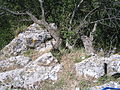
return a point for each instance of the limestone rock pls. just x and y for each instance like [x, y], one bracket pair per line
[77, 88]
[93, 67]
[90, 67]
[47, 46]
[114, 65]
[20, 72]
[32, 74]
[34, 37]
[14, 63]
[46, 59]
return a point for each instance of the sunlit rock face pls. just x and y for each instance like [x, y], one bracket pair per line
[33, 37]
[43, 68]
[14, 62]
[18, 71]
[94, 67]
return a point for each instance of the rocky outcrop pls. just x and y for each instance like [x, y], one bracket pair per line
[95, 66]
[33, 37]
[43, 68]
[20, 72]
[14, 63]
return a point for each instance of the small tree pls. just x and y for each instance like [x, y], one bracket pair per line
[76, 19]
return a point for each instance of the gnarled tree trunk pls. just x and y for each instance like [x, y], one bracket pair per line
[88, 42]
[52, 30]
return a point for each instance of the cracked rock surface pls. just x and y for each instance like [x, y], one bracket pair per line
[33, 37]
[93, 67]
[20, 72]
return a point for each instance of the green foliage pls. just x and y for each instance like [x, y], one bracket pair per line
[20, 29]
[60, 83]
[84, 84]
[60, 12]
[105, 79]
[29, 52]
[57, 55]
[67, 34]
[81, 58]
[5, 37]
[78, 60]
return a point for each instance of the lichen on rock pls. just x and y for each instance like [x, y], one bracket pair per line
[93, 67]
[18, 71]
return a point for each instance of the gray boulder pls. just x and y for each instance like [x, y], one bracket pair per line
[20, 72]
[43, 68]
[34, 37]
[94, 67]
[14, 63]
[46, 59]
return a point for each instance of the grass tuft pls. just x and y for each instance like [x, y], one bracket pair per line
[20, 30]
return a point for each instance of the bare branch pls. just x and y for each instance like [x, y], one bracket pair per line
[105, 24]
[12, 12]
[24, 20]
[70, 22]
[53, 31]
[81, 25]
[91, 33]
[84, 22]
[74, 11]
[40, 22]
[43, 13]
[32, 17]
[1, 13]
[106, 19]
[90, 13]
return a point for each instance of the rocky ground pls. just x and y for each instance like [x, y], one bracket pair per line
[27, 60]
[27, 63]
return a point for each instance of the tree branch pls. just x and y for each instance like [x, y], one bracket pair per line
[40, 22]
[12, 12]
[90, 13]
[34, 19]
[91, 33]
[105, 19]
[1, 13]
[74, 11]
[53, 31]
[41, 6]
[70, 22]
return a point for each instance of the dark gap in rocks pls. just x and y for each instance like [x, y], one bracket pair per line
[116, 75]
[105, 68]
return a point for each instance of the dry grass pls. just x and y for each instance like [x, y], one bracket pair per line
[67, 76]
[67, 79]
[68, 72]
[34, 54]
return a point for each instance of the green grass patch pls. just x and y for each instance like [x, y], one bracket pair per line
[57, 85]
[57, 55]
[105, 79]
[20, 29]
[84, 84]
[30, 53]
